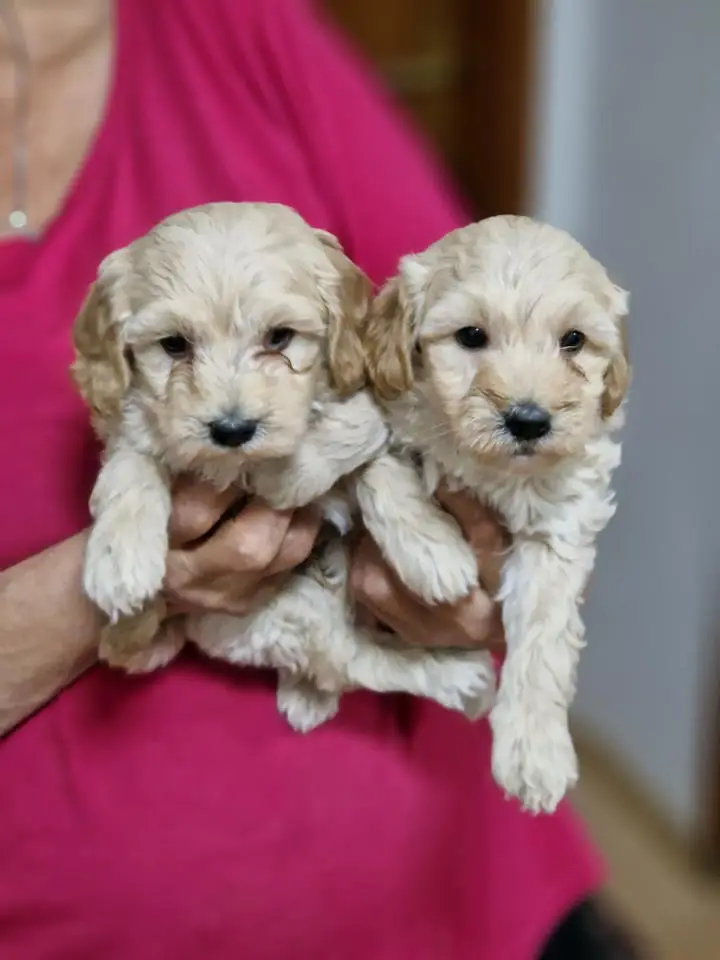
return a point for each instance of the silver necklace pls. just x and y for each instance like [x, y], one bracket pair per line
[17, 219]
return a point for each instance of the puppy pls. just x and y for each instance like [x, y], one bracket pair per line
[500, 356]
[224, 344]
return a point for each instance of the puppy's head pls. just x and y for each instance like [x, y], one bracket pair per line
[222, 325]
[514, 334]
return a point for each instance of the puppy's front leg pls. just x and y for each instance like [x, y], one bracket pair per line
[348, 434]
[127, 548]
[533, 755]
[142, 643]
[422, 543]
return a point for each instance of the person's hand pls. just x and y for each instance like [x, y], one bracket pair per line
[474, 622]
[230, 559]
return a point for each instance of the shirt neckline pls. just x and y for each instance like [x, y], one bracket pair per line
[18, 250]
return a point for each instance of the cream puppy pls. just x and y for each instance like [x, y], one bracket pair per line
[500, 356]
[224, 344]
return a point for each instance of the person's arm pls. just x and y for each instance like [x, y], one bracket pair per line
[387, 194]
[48, 630]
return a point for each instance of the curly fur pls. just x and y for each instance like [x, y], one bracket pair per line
[524, 285]
[223, 277]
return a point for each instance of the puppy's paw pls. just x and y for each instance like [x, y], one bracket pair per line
[124, 571]
[159, 654]
[140, 643]
[442, 570]
[304, 706]
[533, 757]
[463, 681]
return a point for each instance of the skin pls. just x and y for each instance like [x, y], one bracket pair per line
[473, 622]
[197, 576]
[48, 630]
[246, 560]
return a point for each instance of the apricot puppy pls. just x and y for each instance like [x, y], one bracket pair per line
[500, 357]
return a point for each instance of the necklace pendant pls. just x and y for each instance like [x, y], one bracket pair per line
[18, 220]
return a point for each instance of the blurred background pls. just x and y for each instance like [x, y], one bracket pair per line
[603, 117]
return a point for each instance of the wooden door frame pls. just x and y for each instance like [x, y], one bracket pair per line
[493, 91]
[499, 44]
[708, 848]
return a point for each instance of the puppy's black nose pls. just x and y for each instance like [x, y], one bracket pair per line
[527, 421]
[232, 431]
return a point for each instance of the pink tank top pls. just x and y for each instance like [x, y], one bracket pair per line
[177, 816]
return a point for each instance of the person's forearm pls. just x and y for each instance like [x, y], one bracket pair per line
[48, 630]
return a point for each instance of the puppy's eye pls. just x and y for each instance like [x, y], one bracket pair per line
[573, 341]
[175, 346]
[278, 338]
[472, 338]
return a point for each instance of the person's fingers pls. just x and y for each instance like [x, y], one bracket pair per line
[479, 629]
[179, 572]
[472, 622]
[299, 541]
[366, 619]
[466, 509]
[375, 587]
[388, 606]
[484, 532]
[196, 508]
[480, 524]
[383, 622]
[368, 571]
[249, 543]
[236, 595]
[496, 631]
[475, 620]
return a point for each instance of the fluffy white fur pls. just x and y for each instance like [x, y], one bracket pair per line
[240, 310]
[524, 291]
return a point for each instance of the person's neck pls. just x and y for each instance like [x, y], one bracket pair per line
[52, 30]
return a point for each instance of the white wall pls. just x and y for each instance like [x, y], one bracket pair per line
[628, 159]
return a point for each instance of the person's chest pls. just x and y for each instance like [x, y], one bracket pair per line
[157, 151]
[55, 73]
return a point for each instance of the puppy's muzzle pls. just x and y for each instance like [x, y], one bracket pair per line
[527, 422]
[232, 431]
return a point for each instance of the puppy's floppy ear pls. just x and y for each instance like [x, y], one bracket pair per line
[389, 337]
[617, 376]
[347, 297]
[101, 369]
